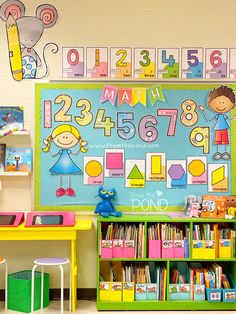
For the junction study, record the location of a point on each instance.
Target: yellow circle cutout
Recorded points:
(93, 168)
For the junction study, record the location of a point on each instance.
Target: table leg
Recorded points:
(73, 275)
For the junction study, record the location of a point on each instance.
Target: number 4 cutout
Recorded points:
(102, 122)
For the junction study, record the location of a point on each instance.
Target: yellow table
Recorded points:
(51, 233)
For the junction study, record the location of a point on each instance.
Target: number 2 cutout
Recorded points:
(173, 114)
(61, 115)
(120, 63)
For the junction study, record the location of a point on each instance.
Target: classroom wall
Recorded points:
(133, 23)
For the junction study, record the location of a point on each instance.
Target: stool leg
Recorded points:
(32, 288)
(6, 285)
(42, 287)
(70, 287)
(62, 287)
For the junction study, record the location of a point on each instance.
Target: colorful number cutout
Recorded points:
(173, 114)
(87, 115)
(192, 59)
(200, 137)
(148, 133)
(215, 58)
(102, 122)
(47, 113)
(125, 128)
(120, 63)
(145, 54)
(189, 116)
(61, 115)
(170, 60)
(75, 53)
(97, 57)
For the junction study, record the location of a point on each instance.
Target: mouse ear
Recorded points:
(47, 14)
(13, 7)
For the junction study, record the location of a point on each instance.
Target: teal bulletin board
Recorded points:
(152, 142)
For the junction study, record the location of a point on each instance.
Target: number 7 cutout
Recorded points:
(173, 114)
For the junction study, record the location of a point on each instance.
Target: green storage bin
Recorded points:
(19, 291)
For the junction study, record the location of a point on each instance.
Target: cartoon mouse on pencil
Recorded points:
(23, 34)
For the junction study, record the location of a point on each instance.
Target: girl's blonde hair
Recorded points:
(61, 129)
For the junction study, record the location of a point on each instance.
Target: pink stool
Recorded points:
(3, 261)
(50, 261)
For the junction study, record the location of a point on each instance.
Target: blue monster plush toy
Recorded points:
(105, 208)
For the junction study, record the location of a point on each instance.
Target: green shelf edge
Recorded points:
(164, 305)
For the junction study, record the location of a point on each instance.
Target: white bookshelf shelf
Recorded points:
(25, 132)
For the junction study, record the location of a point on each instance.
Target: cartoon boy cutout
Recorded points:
(65, 137)
(220, 100)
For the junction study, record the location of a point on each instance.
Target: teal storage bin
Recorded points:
(141, 292)
(19, 291)
(174, 291)
(199, 293)
(229, 295)
(184, 291)
(152, 291)
(213, 295)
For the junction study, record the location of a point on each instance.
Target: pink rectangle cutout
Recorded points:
(114, 161)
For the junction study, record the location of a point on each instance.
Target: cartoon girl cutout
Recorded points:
(65, 136)
(221, 101)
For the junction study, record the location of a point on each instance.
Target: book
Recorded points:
(11, 119)
(2, 157)
(18, 159)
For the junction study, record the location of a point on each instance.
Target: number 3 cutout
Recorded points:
(87, 115)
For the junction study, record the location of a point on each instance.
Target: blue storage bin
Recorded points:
(152, 291)
(174, 291)
(141, 292)
(213, 295)
(199, 293)
(229, 295)
(184, 291)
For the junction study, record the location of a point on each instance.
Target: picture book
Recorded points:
(18, 159)
(11, 119)
(2, 157)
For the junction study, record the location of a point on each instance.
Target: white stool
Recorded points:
(50, 261)
(3, 261)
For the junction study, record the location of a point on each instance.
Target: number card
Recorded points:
(134, 173)
(217, 178)
(192, 63)
(176, 174)
(97, 62)
(72, 62)
(197, 170)
(168, 63)
(121, 63)
(93, 170)
(144, 63)
(232, 63)
(216, 63)
(155, 166)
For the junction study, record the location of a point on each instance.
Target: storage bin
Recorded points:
(213, 295)
(184, 291)
(104, 291)
(19, 291)
(199, 293)
(129, 249)
(198, 249)
(106, 248)
(229, 295)
(154, 248)
(209, 249)
(225, 248)
(152, 291)
(140, 292)
(116, 291)
(174, 291)
(178, 250)
(167, 249)
(128, 291)
(117, 248)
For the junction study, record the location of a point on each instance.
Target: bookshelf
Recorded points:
(228, 263)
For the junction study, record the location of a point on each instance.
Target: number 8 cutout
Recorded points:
(189, 116)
